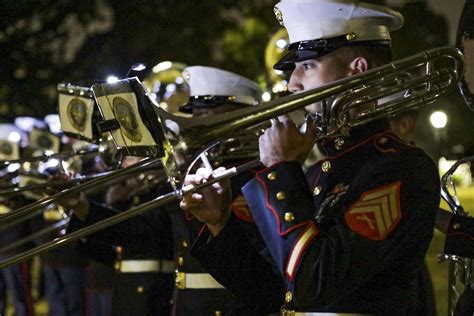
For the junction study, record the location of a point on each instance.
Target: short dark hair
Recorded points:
(376, 55)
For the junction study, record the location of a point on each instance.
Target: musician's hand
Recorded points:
(282, 141)
(78, 203)
(209, 205)
(122, 191)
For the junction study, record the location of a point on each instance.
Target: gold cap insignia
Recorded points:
(278, 15)
(351, 36)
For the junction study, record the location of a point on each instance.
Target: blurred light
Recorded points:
(26, 123)
(438, 119)
(53, 122)
(27, 166)
(14, 137)
(281, 43)
(266, 96)
(138, 67)
(278, 72)
(162, 66)
(112, 79)
(13, 167)
(171, 88)
(179, 80)
(280, 86)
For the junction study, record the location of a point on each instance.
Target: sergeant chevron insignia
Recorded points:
(241, 209)
(376, 213)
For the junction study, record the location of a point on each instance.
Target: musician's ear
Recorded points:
(358, 65)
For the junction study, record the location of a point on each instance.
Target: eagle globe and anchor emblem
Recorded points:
(77, 114)
(127, 120)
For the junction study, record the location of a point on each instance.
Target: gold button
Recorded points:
(317, 190)
(288, 297)
(117, 265)
(272, 176)
(180, 261)
(326, 166)
(184, 243)
(180, 280)
(140, 289)
(281, 196)
(217, 313)
(456, 226)
(383, 140)
(289, 217)
(351, 36)
(339, 143)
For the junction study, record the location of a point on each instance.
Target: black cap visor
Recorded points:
(312, 49)
(288, 61)
(201, 102)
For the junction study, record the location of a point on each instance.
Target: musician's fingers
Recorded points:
(205, 173)
(193, 179)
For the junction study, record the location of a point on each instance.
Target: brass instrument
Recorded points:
(432, 74)
(14, 190)
(461, 270)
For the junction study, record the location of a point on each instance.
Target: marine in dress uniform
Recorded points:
(16, 278)
(144, 264)
(350, 234)
(212, 91)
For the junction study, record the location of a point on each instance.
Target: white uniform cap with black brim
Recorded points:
(212, 87)
(318, 27)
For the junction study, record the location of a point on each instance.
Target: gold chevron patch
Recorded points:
(376, 213)
(241, 209)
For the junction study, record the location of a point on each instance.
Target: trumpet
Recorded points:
(432, 74)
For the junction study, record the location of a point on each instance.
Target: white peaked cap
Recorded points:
(315, 19)
(209, 81)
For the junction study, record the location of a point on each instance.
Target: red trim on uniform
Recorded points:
(461, 234)
(385, 151)
(306, 244)
(316, 179)
(275, 212)
(395, 137)
(26, 282)
(87, 303)
(353, 147)
(241, 209)
(344, 152)
(268, 168)
(188, 216)
(201, 231)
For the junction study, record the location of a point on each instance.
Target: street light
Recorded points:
(438, 119)
(112, 79)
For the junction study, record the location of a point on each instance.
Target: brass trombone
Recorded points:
(432, 74)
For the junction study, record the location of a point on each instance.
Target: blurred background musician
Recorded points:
(17, 278)
(213, 91)
(143, 255)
